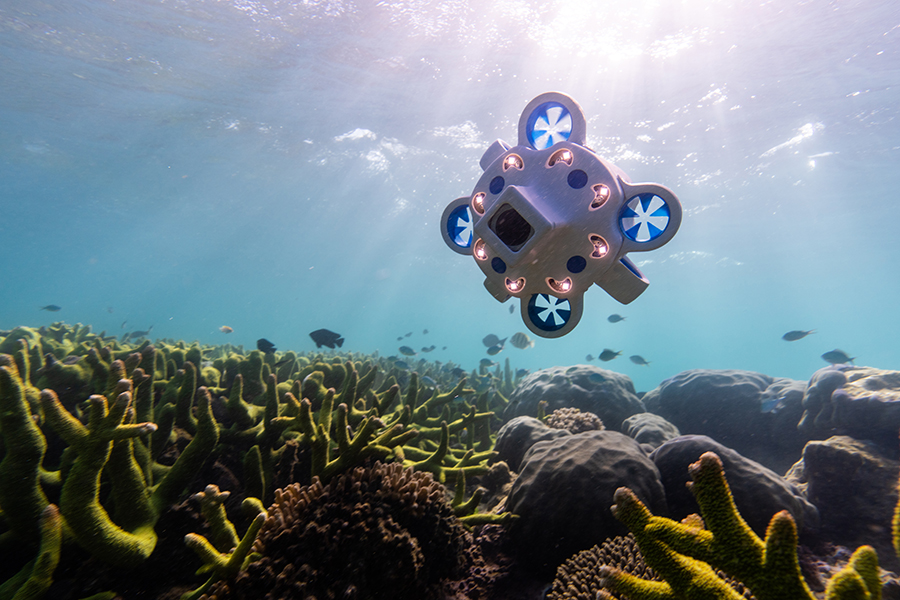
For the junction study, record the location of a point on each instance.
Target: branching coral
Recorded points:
(684, 554)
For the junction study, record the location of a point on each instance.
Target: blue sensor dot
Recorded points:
(497, 184)
(576, 264)
(577, 179)
(498, 265)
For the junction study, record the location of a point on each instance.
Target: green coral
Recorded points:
(684, 555)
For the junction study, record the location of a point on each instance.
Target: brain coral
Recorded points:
(607, 394)
(573, 420)
(373, 532)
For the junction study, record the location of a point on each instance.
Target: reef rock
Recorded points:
(607, 394)
(854, 487)
(758, 492)
(518, 436)
(861, 402)
(649, 430)
(751, 412)
(565, 489)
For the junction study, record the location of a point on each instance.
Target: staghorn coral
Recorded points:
(684, 554)
(374, 532)
(573, 420)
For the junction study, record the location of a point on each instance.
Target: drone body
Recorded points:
(549, 218)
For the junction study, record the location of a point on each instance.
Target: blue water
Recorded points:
(280, 167)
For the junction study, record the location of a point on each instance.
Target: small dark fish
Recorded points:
(71, 360)
(283, 362)
(110, 309)
(407, 351)
(490, 340)
(401, 364)
(427, 381)
(444, 348)
(400, 338)
(123, 324)
(837, 357)
(639, 360)
(140, 334)
(51, 308)
(615, 318)
(589, 357)
(487, 363)
(329, 339)
(408, 334)
(428, 348)
(458, 372)
(607, 355)
(596, 378)
(495, 349)
(522, 372)
(264, 345)
(512, 309)
(225, 329)
(424, 332)
(793, 336)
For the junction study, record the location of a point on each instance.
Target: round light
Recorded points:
(601, 247)
(515, 286)
(513, 161)
(479, 250)
(560, 287)
(478, 203)
(601, 195)
(560, 156)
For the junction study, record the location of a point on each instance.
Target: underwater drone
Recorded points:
(548, 218)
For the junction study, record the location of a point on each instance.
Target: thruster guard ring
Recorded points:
(548, 218)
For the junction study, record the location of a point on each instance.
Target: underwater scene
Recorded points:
(449, 299)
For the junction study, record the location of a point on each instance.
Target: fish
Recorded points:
(521, 341)
(71, 359)
(589, 357)
(407, 351)
(110, 309)
(596, 378)
(522, 372)
(140, 334)
(428, 348)
(492, 340)
(512, 309)
(123, 324)
(614, 318)
(793, 336)
(424, 332)
(638, 360)
(264, 345)
(408, 334)
(837, 357)
(225, 329)
(284, 361)
(400, 338)
(401, 364)
(607, 355)
(457, 372)
(329, 339)
(51, 308)
(427, 381)
(486, 363)
(495, 349)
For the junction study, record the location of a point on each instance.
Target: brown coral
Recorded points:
(579, 577)
(573, 420)
(374, 532)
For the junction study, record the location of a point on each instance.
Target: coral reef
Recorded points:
(372, 532)
(573, 420)
(163, 419)
(517, 436)
(649, 430)
(752, 413)
(685, 554)
(862, 402)
(758, 492)
(607, 394)
(564, 488)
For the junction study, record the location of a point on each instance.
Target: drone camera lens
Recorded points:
(511, 227)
